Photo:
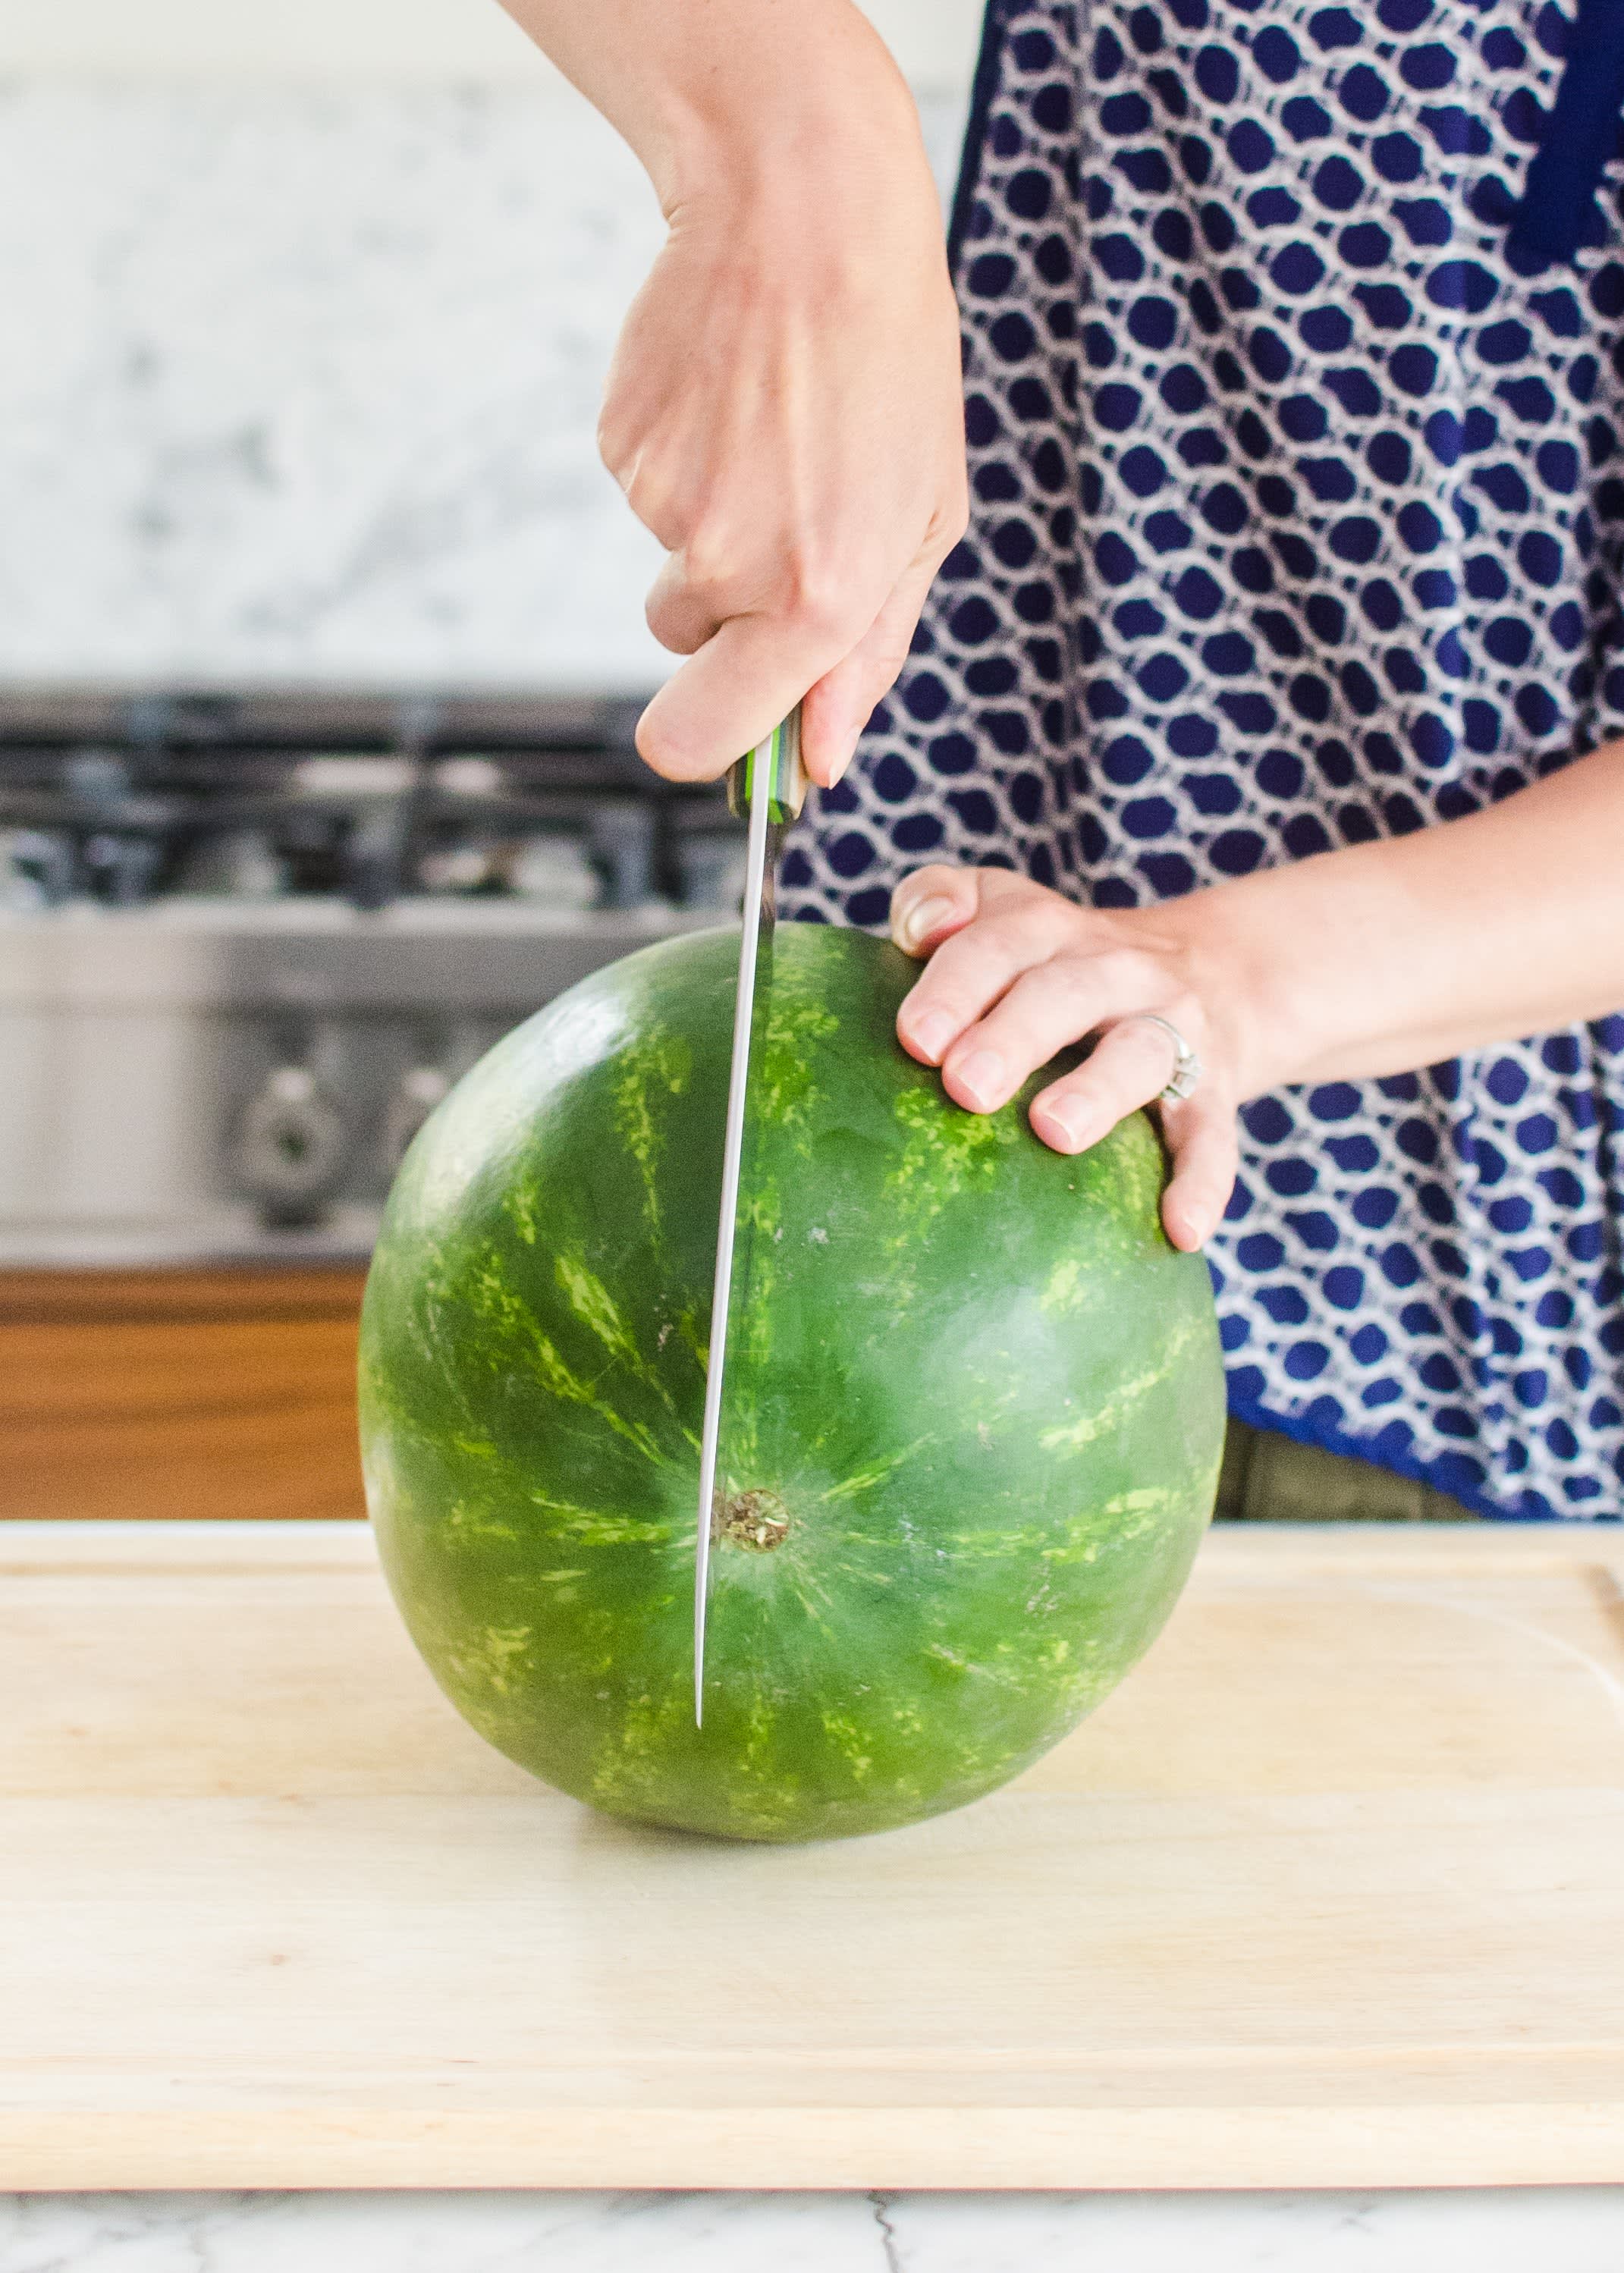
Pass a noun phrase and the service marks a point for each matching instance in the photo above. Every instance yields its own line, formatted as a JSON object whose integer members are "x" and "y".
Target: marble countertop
{"x": 1572, "y": 2229}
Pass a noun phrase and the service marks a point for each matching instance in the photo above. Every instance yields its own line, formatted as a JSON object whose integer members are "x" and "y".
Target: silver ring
{"x": 1187, "y": 1067}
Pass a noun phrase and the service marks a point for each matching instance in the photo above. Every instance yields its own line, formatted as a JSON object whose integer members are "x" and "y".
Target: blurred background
{"x": 321, "y": 643}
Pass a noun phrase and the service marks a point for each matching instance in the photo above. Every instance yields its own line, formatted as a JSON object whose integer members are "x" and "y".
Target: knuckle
{"x": 1073, "y": 971}
{"x": 610, "y": 437}
{"x": 677, "y": 633}
{"x": 1118, "y": 1082}
{"x": 1063, "y": 922}
{"x": 1128, "y": 974}
{"x": 1043, "y": 944}
{"x": 710, "y": 560}
{"x": 1007, "y": 936}
{"x": 886, "y": 659}
{"x": 1016, "y": 898}
{"x": 1044, "y": 992}
{"x": 951, "y": 518}
{"x": 652, "y": 500}
{"x": 1189, "y": 1014}
{"x": 1136, "y": 1034}
{"x": 818, "y": 595}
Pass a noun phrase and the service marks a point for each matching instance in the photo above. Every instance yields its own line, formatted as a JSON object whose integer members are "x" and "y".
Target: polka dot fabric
{"x": 1298, "y": 520}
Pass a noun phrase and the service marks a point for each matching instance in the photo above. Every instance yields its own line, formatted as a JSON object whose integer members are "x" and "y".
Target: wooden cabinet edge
{"x": 110, "y": 1409}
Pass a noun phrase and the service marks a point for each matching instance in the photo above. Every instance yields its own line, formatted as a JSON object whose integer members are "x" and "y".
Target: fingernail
{"x": 915, "y": 925}
{"x": 1071, "y": 1119}
{"x": 838, "y": 769}
{"x": 1188, "y": 1229}
{"x": 931, "y": 1033}
{"x": 981, "y": 1079}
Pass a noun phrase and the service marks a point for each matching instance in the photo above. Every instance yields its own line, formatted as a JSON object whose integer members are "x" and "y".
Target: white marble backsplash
{"x": 1570, "y": 2229}
{"x": 299, "y": 385}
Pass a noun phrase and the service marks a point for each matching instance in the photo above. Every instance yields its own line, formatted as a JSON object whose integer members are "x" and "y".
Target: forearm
{"x": 1393, "y": 955}
{"x": 795, "y": 90}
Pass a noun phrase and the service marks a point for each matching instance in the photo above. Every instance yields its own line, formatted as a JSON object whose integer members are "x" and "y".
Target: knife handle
{"x": 785, "y": 780}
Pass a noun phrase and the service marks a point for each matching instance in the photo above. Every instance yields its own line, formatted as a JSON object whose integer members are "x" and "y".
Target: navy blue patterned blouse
{"x": 1295, "y": 341}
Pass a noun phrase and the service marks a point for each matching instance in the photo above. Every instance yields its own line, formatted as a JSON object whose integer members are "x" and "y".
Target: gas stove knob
{"x": 238, "y": 864}
{"x": 415, "y": 1096}
{"x": 289, "y": 1151}
{"x": 123, "y": 868}
{"x": 42, "y": 865}
{"x": 622, "y": 848}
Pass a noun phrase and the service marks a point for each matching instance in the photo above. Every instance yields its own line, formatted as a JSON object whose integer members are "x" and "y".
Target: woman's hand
{"x": 785, "y": 408}
{"x": 1351, "y": 964}
{"x": 785, "y": 412}
{"x": 1015, "y": 972}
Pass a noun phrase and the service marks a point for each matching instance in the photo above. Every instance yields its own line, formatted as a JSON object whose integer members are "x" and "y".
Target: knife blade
{"x": 768, "y": 788}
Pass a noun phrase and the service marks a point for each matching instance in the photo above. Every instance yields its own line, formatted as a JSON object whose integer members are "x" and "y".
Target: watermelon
{"x": 972, "y": 1425}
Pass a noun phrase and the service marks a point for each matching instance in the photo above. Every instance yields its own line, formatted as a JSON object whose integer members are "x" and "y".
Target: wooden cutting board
{"x": 1331, "y": 1894}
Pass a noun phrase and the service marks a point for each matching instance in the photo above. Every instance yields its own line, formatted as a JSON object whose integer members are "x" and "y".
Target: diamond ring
{"x": 1186, "y": 1064}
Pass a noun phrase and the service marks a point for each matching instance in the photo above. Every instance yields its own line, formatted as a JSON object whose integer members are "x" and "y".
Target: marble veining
{"x": 301, "y": 384}
{"x": 1575, "y": 2230}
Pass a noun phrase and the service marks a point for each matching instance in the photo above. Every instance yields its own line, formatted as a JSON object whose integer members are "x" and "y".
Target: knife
{"x": 769, "y": 789}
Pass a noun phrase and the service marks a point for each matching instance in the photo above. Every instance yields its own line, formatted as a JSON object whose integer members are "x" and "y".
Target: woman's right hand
{"x": 785, "y": 412}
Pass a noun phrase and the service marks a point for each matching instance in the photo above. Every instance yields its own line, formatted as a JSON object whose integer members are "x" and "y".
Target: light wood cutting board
{"x": 1331, "y": 1894}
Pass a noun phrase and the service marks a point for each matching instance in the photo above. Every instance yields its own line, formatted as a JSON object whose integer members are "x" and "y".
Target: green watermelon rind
{"x": 982, "y": 1388}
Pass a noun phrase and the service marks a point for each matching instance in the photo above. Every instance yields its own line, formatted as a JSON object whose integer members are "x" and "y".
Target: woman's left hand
{"x": 1016, "y": 973}
{"x": 1345, "y": 966}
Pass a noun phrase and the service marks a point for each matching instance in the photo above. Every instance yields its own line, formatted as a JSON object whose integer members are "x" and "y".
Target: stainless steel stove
{"x": 248, "y": 941}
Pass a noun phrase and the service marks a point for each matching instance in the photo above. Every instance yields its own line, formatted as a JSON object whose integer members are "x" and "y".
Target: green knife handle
{"x": 786, "y": 781}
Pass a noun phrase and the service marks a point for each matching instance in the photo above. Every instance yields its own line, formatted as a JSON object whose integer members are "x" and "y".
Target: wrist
{"x": 1303, "y": 967}
{"x": 811, "y": 126}
{"x": 724, "y": 101}
{"x": 1257, "y": 952}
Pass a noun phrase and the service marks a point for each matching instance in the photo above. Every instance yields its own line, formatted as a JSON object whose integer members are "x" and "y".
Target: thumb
{"x": 727, "y": 697}
{"x": 930, "y": 906}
